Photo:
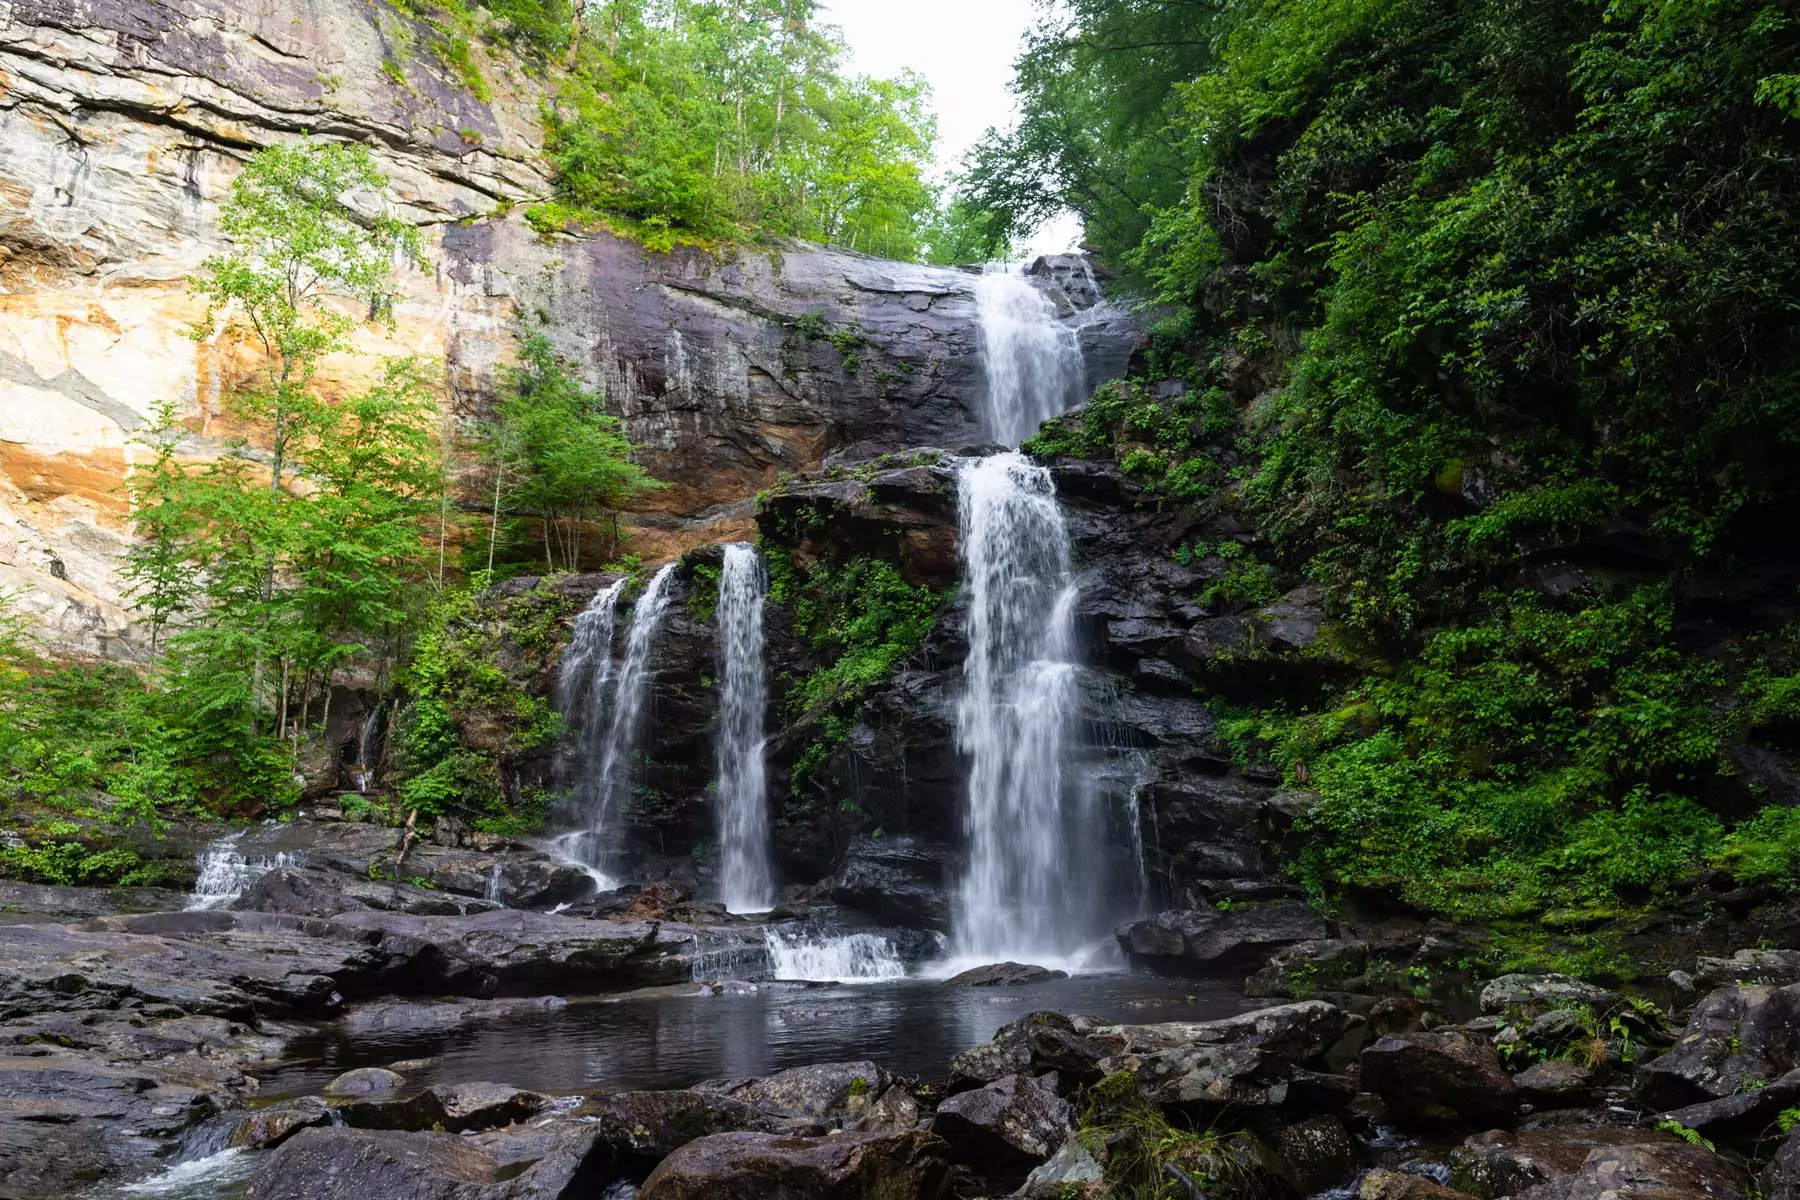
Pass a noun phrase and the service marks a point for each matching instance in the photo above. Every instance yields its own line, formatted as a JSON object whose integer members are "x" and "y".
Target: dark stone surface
{"x": 1447, "y": 1078}
{"x": 646, "y": 1127}
{"x": 1734, "y": 1035}
{"x": 356, "y": 1164}
{"x": 1006, "y": 974}
{"x": 832, "y": 1093}
{"x": 1003, "y": 1130}
{"x": 1211, "y": 941}
{"x": 761, "y": 1166}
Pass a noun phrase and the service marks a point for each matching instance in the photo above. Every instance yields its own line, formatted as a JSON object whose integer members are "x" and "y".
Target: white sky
{"x": 966, "y": 49}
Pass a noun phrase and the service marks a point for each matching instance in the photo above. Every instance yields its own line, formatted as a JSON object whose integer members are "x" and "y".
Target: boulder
{"x": 364, "y": 1081}
{"x": 1382, "y": 1184}
{"x": 1314, "y": 1154}
{"x": 1067, "y": 1172}
{"x": 1775, "y": 967}
{"x": 1012, "y": 1123}
{"x": 831, "y": 1093}
{"x": 1781, "y": 1177}
{"x": 297, "y": 892}
{"x": 761, "y": 1166}
{"x": 1746, "y": 1114}
{"x": 1443, "y": 1078}
{"x": 647, "y": 1127}
{"x": 1212, "y": 941}
{"x": 1299, "y": 1032}
{"x": 900, "y": 879}
{"x": 267, "y": 1128}
{"x": 1305, "y": 968}
{"x": 1533, "y": 995}
{"x": 1043, "y": 1041}
{"x": 1671, "y": 1170}
{"x": 1505, "y": 1163}
{"x": 894, "y": 1111}
{"x": 1239, "y": 1076}
{"x": 1734, "y": 1037}
{"x": 1555, "y": 1084}
{"x": 1006, "y": 974}
{"x": 357, "y": 1164}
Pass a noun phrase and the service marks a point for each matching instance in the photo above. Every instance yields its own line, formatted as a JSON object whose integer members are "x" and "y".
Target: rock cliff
{"x": 122, "y": 125}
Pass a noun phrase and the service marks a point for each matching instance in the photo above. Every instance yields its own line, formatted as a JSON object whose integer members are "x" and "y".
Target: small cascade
{"x": 1032, "y": 359}
{"x": 1029, "y": 890}
{"x": 802, "y": 954}
{"x": 491, "y": 893}
{"x": 1134, "y": 816}
{"x": 368, "y": 750}
{"x": 224, "y": 871}
{"x": 745, "y": 879}
{"x": 613, "y": 707}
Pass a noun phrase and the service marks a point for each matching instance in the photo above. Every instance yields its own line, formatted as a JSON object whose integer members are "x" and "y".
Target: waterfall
{"x": 746, "y": 882}
{"x": 224, "y": 871}
{"x": 1032, "y": 360}
{"x": 845, "y": 958}
{"x": 1020, "y": 895}
{"x": 609, "y": 731}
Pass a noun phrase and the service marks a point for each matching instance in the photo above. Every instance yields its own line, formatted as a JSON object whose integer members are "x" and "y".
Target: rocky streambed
{"x": 328, "y": 1034}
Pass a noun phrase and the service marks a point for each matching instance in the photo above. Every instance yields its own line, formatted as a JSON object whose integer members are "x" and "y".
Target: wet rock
{"x": 1314, "y": 1154}
{"x": 760, "y": 1166}
{"x": 895, "y": 1111}
{"x": 899, "y": 879}
{"x": 1006, "y": 1127}
{"x": 39, "y": 903}
{"x": 365, "y": 1081}
{"x": 833, "y": 1093}
{"x": 1297, "y": 1032}
{"x": 356, "y": 1164}
{"x": 297, "y": 892}
{"x": 1006, "y": 974}
{"x": 1774, "y": 967}
{"x": 267, "y": 1128}
{"x": 1745, "y": 1114}
{"x": 1555, "y": 1084}
{"x": 1671, "y": 1170}
{"x": 449, "y": 1108}
{"x": 1382, "y": 1184}
{"x": 1505, "y": 1163}
{"x": 647, "y": 1127}
{"x": 1210, "y": 941}
{"x": 1241, "y": 1076}
{"x": 1043, "y": 1041}
{"x": 1734, "y": 1036}
{"x": 1781, "y": 1177}
{"x": 1443, "y": 1078}
{"x": 1065, "y": 1173}
{"x": 1307, "y": 967}
{"x": 70, "y": 1119}
{"x": 1533, "y": 995}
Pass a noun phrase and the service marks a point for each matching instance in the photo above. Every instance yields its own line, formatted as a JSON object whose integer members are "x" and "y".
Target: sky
{"x": 965, "y": 48}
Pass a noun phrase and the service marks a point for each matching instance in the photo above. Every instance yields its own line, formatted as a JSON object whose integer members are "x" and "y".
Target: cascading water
{"x": 610, "y": 731}
{"x": 223, "y": 871}
{"x": 1033, "y": 888}
{"x": 1014, "y": 722}
{"x": 819, "y": 958}
{"x": 1031, "y": 359}
{"x": 746, "y": 881}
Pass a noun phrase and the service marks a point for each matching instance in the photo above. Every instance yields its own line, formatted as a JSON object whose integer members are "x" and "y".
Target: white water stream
{"x": 613, "y": 706}
{"x": 224, "y": 871}
{"x": 746, "y": 882}
{"x": 1032, "y": 360}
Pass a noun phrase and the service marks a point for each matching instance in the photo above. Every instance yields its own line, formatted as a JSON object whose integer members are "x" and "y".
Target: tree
{"x": 565, "y": 458}
{"x": 163, "y": 577}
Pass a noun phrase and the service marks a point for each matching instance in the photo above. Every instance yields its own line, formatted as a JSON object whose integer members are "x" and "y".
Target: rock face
{"x": 121, "y": 128}
{"x": 1734, "y": 1036}
{"x": 1436, "y": 1079}
{"x": 348, "y": 1163}
{"x": 1015, "y": 1122}
{"x": 760, "y": 1166}
{"x": 1212, "y": 941}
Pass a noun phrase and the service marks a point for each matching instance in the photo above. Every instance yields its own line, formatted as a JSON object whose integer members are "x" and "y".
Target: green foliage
{"x": 861, "y": 619}
{"x": 469, "y": 721}
{"x": 1148, "y": 1151}
{"x": 556, "y": 456}
{"x": 683, "y": 119}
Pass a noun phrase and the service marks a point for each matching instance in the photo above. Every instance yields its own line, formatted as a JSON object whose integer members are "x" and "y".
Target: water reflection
{"x": 912, "y": 1027}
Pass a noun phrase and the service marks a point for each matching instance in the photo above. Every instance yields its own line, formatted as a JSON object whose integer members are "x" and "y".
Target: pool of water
{"x": 908, "y": 1026}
